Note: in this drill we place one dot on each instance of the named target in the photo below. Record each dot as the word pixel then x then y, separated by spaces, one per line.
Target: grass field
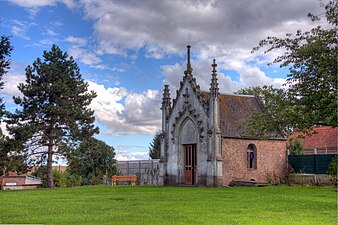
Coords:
pixel 170 205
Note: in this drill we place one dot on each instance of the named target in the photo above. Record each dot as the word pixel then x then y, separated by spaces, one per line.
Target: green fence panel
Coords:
pixel 313 164
pixel 322 163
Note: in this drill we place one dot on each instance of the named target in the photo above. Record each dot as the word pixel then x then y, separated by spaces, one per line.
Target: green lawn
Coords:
pixel 170 205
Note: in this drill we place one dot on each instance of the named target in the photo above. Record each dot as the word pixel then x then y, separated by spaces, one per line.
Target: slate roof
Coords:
pixel 236 111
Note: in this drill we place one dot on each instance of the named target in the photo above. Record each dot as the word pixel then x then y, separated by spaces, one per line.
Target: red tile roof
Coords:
pixel 322 137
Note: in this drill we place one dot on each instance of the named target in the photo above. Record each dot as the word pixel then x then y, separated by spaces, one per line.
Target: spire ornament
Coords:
pixel 166 97
pixel 189 68
pixel 214 84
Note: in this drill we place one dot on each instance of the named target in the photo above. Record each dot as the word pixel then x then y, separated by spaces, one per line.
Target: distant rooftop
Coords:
pixel 321 138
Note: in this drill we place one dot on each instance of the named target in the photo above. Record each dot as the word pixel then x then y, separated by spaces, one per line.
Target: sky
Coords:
pixel 127 50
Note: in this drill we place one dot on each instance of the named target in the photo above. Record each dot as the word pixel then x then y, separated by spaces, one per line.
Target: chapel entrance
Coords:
pixel 190 167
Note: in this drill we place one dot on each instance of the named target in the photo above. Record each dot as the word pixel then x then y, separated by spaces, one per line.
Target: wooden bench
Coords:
pixel 115 179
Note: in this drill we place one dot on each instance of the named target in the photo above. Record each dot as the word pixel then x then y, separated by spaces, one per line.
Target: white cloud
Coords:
pixel 77 41
pixel 20 32
pixel 142 110
pixel 249 75
pixel 51 32
pixel 125 112
pixel 225 30
pixel 84 55
pixel 69 3
pixel 42 3
pixel 163 27
pixel 12 80
pixel 34 3
pixel 20 28
pixel 131 152
pixel 126 156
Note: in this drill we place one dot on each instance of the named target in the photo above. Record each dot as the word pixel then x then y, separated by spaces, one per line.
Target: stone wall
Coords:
pixel 311 179
pixel 271 160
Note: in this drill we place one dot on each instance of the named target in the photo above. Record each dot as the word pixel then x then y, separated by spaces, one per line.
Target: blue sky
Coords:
pixel 127 51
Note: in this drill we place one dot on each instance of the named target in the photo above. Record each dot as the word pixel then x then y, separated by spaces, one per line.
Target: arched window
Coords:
pixel 251 155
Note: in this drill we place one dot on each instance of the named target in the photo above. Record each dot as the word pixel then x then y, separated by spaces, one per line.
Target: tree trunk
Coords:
pixel 50 183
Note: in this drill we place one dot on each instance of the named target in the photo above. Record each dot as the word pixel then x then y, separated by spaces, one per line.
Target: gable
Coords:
pixel 188 104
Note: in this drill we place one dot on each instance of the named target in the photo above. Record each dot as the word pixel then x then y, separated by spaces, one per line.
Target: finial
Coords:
pixel 189 68
pixel 214 65
pixel 214 84
pixel 166 96
pixel 189 55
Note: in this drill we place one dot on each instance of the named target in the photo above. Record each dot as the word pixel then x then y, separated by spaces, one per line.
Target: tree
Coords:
pixel 277 110
pixel 295 146
pixel 155 146
pixel 92 161
pixel 58 177
pixel 8 160
pixel 55 113
pixel 311 57
pixel 5 51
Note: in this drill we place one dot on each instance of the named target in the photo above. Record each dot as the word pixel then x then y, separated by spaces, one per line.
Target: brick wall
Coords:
pixel 271 160
pixel 19 180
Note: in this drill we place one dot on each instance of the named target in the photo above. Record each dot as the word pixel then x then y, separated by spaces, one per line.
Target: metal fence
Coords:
pixel 312 164
pixel 147 171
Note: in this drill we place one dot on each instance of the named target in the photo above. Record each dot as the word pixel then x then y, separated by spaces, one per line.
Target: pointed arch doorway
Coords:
pixel 188 139
pixel 190 164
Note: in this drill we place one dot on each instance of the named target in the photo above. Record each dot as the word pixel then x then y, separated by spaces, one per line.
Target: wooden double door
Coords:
pixel 190 164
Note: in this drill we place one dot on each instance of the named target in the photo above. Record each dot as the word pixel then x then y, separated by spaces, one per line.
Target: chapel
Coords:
pixel 205 140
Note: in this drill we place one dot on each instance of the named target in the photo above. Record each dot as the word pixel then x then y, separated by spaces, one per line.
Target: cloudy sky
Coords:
pixel 127 50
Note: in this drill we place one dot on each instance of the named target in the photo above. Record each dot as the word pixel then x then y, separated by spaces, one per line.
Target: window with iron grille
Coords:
pixel 251 154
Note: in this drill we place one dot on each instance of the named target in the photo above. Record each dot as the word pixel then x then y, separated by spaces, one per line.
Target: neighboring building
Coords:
pixel 205 139
pixel 323 140
pixel 14 181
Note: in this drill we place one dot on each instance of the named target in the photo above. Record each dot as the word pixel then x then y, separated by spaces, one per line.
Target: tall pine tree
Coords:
pixel 54 110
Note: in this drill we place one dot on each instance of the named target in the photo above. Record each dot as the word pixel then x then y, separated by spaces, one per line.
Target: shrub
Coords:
pixel 295 147
pixel 333 170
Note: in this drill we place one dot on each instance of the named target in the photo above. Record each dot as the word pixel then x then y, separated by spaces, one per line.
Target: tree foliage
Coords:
pixel 92 161
pixel 332 170
pixel 155 146
pixel 295 147
pixel 277 111
pixel 61 179
pixel 311 58
pixel 5 52
pixel 54 112
pixel 9 161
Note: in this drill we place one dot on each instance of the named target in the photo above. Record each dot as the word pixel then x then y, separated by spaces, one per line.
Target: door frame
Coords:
pixel 190 164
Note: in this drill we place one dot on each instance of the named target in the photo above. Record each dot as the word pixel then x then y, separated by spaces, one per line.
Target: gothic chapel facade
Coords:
pixel 205 140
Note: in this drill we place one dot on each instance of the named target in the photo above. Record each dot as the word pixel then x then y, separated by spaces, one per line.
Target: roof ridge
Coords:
pixel 229 94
